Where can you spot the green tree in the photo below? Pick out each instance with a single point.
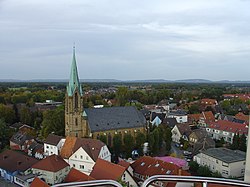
(168, 139)
(122, 95)
(5, 134)
(103, 138)
(53, 121)
(128, 141)
(235, 144)
(243, 143)
(7, 113)
(140, 139)
(193, 166)
(193, 109)
(117, 143)
(26, 116)
(204, 171)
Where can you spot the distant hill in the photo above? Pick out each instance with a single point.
(129, 81)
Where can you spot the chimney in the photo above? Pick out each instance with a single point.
(247, 165)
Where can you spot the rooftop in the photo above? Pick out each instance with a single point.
(225, 155)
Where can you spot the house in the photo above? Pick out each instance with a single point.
(36, 150)
(180, 131)
(199, 140)
(208, 102)
(107, 170)
(76, 176)
(38, 183)
(52, 169)
(146, 167)
(157, 118)
(53, 144)
(82, 153)
(179, 115)
(19, 141)
(169, 122)
(230, 163)
(201, 119)
(226, 130)
(231, 119)
(13, 163)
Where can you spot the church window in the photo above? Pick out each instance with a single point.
(76, 122)
(76, 101)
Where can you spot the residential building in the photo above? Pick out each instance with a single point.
(13, 163)
(53, 144)
(107, 170)
(19, 141)
(226, 130)
(230, 163)
(199, 140)
(180, 131)
(82, 153)
(52, 169)
(36, 150)
(179, 115)
(80, 122)
(146, 167)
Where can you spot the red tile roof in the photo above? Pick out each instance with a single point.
(76, 176)
(242, 116)
(14, 161)
(208, 116)
(38, 183)
(194, 117)
(107, 170)
(124, 164)
(208, 101)
(148, 166)
(91, 146)
(52, 163)
(228, 126)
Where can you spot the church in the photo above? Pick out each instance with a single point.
(94, 122)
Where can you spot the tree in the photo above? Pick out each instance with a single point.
(117, 143)
(122, 95)
(5, 134)
(26, 116)
(194, 109)
(243, 143)
(128, 140)
(168, 139)
(140, 139)
(204, 171)
(235, 144)
(7, 113)
(193, 166)
(103, 138)
(53, 121)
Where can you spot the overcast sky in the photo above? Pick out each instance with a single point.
(126, 40)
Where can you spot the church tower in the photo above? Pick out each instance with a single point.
(74, 124)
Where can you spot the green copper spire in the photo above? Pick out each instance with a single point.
(74, 83)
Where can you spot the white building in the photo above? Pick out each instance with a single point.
(53, 144)
(180, 131)
(226, 130)
(230, 163)
(52, 169)
(180, 116)
(82, 153)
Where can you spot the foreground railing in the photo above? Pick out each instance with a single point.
(163, 178)
(90, 183)
(192, 179)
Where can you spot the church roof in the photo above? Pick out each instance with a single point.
(110, 118)
(74, 83)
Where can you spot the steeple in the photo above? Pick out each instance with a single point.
(74, 83)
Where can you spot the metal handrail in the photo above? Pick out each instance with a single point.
(191, 179)
(90, 183)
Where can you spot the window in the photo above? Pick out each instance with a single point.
(87, 158)
(74, 165)
(75, 156)
(81, 157)
(81, 166)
